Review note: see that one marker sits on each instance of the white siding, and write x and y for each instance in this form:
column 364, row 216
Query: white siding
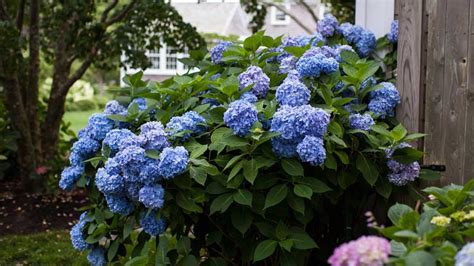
column 375, row 15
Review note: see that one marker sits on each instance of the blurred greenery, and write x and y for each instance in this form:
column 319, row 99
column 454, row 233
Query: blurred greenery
column 78, row 119
column 49, row 248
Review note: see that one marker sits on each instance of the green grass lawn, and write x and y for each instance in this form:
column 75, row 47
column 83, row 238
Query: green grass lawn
column 78, row 119
column 53, row 248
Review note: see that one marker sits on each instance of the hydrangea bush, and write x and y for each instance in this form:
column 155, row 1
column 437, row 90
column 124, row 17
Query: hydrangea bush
column 262, row 152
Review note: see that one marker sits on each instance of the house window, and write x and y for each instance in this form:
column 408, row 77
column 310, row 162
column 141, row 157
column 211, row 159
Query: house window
column 171, row 58
column 154, row 57
column 279, row 17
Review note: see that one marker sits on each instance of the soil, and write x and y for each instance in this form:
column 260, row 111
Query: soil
column 26, row 213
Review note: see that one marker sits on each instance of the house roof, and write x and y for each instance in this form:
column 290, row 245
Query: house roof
column 219, row 18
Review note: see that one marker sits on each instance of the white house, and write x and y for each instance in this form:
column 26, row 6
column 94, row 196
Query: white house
column 225, row 18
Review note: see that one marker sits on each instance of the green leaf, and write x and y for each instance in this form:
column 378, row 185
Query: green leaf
column 303, row 191
column 253, row 42
column 241, row 219
column 162, row 250
column 292, row 167
column 183, row 246
column 342, row 156
column 113, row 250
column 407, row 155
column 414, row 136
column 335, row 128
column 398, row 249
column 264, row 249
column 302, row 240
column 349, row 56
column 430, row 175
column 384, row 188
column 397, row 211
column 232, row 161
column 338, row 141
column 250, row 170
column 199, row 174
column 296, row 203
column 243, row 197
column 316, row 185
column 281, row 231
column 286, row 244
column 235, row 170
column 367, row 168
column 221, row 203
column 128, row 227
column 275, row 195
column 296, row 50
column 420, row 258
column 399, row 132
column 186, row 203
column 153, row 154
column 198, row 150
column 406, row 234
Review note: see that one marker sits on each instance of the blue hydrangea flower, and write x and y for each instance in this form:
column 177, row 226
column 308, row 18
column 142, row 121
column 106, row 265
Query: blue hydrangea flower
column 362, row 122
column 210, row 101
column 109, row 183
column 173, row 162
column 311, row 150
column 114, row 108
column 82, row 150
column 69, row 177
column 190, row 122
column 96, row 257
column 287, row 64
column 112, row 167
column 133, row 190
column 140, row 102
column 150, row 172
column 392, row 36
column 98, row 126
column 217, row 51
column 131, row 160
column 366, row 43
column 465, row 257
column 154, row 136
column 401, row 174
column 78, row 237
column 152, row 197
column 328, row 25
column 118, row 139
column 284, row 148
column 314, row 66
column 383, row 101
column 151, row 225
column 351, row 32
column 292, row 91
column 294, row 123
column 254, row 76
column 249, row 97
column 369, row 82
column 119, row 204
column 240, row 117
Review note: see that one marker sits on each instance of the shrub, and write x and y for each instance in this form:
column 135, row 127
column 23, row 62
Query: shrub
column 82, row 105
column 436, row 234
column 252, row 157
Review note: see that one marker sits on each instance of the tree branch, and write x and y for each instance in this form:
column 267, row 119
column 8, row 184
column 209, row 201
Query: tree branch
column 122, row 14
column 20, row 13
column 290, row 15
column 80, row 71
column 310, row 10
column 107, row 10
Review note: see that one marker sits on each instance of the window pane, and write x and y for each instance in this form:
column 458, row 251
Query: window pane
column 280, row 16
column 171, row 61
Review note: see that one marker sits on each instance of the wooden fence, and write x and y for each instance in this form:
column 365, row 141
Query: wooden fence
column 436, row 81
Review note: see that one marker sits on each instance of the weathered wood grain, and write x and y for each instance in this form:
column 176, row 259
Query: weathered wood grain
column 469, row 140
column 434, row 80
column 409, row 68
column 455, row 87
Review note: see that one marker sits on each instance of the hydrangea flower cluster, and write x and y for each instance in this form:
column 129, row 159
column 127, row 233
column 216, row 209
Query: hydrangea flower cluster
column 401, row 174
column 240, row 117
column 363, row 40
column 151, row 225
column 78, row 237
column 292, row 91
column 362, row 122
column 96, row 257
column 217, row 51
column 465, row 257
column 392, row 36
column 300, row 125
column 190, row 123
column 315, row 62
column 255, row 77
column 383, row 101
column 328, row 25
column 365, row 251
column 298, row 41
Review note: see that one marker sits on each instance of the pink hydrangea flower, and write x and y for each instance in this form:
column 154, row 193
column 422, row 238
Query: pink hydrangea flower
column 365, row 251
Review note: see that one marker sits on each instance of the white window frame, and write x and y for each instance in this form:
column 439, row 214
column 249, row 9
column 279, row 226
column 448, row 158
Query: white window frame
column 273, row 15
